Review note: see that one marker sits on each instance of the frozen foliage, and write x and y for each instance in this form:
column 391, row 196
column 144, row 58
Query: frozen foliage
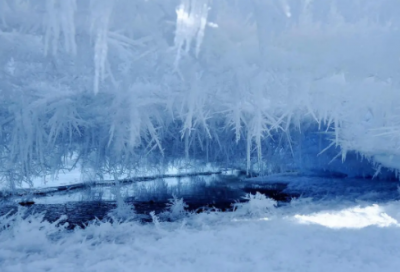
column 177, row 207
column 120, row 84
column 258, row 205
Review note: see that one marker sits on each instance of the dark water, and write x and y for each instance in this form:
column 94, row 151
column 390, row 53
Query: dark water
column 202, row 193
column 83, row 204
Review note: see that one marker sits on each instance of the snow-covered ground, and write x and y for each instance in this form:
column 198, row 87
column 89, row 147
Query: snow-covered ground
column 304, row 236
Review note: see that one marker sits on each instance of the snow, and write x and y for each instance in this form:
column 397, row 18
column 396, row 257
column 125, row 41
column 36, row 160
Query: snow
column 356, row 217
column 295, row 238
column 343, row 224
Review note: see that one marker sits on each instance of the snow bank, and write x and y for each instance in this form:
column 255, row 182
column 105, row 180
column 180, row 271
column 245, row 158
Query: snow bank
column 234, row 242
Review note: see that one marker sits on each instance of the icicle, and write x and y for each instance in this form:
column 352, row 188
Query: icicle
column 286, row 8
column 336, row 123
column 248, row 153
column 190, row 25
column 10, row 67
column 306, row 17
column 60, row 19
column 101, row 13
column 203, row 10
column 378, row 171
column 53, row 28
column 344, row 154
column 187, row 145
column 335, row 18
column 67, row 11
column 238, row 121
column 135, row 125
column 3, row 9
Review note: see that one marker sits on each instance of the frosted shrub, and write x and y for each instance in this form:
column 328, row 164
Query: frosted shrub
column 32, row 230
column 123, row 212
column 177, row 208
column 258, row 205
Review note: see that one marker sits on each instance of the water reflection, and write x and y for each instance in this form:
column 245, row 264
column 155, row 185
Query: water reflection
column 207, row 187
